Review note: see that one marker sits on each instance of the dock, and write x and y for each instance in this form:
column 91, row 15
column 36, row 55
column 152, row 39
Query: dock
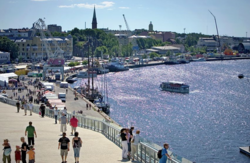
column 245, row 150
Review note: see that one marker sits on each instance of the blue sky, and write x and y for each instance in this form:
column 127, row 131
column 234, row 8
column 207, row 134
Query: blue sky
column 166, row 15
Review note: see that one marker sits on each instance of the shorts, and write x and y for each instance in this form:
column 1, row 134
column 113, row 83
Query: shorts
column 73, row 128
column 32, row 161
column 63, row 128
column 64, row 152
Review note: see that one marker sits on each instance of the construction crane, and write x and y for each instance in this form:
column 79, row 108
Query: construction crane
column 126, row 23
column 41, row 26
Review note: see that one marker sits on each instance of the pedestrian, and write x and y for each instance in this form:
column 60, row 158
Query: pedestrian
column 135, row 141
column 164, row 154
column 56, row 114
column 77, row 144
column 124, row 143
column 42, row 109
column 73, row 124
column 25, row 107
column 63, row 121
column 18, row 106
column 31, row 154
column 129, row 142
column 64, row 111
column 31, row 132
column 66, row 90
column 64, row 146
column 87, row 106
column 6, row 151
column 31, row 108
column 24, row 149
column 18, row 154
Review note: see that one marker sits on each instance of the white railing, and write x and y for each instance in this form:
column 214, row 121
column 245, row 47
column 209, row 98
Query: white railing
column 147, row 152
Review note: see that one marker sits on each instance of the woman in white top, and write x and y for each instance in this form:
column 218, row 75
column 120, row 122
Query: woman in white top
column 135, row 141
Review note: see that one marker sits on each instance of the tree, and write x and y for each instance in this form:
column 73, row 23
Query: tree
column 85, row 62
column 71, row 64
column 7, row 45
column 178, row 41
column 169, row 53
column 101, row 50
column 153, row 55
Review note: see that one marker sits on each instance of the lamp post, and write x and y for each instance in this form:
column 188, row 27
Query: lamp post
column 216, row 29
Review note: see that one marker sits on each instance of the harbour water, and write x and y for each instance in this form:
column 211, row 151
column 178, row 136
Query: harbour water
column 207, row 125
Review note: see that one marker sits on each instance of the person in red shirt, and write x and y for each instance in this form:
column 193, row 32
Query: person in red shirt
column 73, row 124
column 17, row 154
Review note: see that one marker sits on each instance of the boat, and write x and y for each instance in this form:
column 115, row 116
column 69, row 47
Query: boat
column 172, row 61
column 183, row 61
column 116, row 66
column 199, row 60
column 86, row 74
column 240, row 76
column 71, row 80
column 175, row 86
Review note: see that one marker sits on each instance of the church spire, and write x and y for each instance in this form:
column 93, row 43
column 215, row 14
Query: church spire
column 94, row 21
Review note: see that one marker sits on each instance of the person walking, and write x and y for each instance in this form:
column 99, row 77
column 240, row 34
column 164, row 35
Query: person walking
column 66, row 90
column 135, row 141
column 56, row 114
column 42, row 109
column 31, row 154
column 87, row 106
column 6, row 151
column 164, row 154
column 77, row 144
column 64, row 146
column 18, row 106
column 31, row 132
column 63, row 120
column 31, row 108
column 73, row 124
column 124, row 144
column 24, row 149
column 25, row 107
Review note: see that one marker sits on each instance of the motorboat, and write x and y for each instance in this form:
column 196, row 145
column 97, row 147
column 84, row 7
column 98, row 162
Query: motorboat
column 199, row 60
column 86, row 74
column 172, row 61
column 116, row 66
column 183, row 61
column 240, row 76
column 175, row 86
column 71, row 80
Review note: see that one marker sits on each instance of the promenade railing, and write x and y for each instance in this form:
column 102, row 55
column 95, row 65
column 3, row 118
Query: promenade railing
column 146, row 153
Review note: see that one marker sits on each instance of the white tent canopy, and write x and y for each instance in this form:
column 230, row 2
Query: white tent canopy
column 5, row 77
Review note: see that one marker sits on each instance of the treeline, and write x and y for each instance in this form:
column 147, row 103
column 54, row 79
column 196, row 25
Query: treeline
column 103, row 43
column 149, row 43
column 6, row 45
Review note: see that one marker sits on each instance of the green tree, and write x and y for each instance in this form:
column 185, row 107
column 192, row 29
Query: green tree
column 7, row 45
column 71, row 64
column 153, row 55
column 85, row 62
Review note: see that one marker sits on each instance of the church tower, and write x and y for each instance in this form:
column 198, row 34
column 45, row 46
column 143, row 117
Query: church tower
column 94, row 21
column 150, row 27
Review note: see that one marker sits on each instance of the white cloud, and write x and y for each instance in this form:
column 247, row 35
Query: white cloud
column 124, row 7
column 104, row 4
column 39, row 0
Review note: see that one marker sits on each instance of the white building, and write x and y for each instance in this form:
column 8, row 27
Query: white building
column 4, row 57
column 209, row 42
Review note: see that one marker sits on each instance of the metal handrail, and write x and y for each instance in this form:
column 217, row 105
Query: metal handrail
column 145, row 152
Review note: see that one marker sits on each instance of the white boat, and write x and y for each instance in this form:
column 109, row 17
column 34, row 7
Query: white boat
column 86, row 74
column 199, row 60
column 175, row 86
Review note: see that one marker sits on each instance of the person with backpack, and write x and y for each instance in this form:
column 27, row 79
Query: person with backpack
column 163, row 154
column 77, row 144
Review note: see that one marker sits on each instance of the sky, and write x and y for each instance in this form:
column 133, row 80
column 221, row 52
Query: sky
column 166, row 15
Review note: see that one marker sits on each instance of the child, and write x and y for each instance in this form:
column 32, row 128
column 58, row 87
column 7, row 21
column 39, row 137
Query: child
column 31, row 155
column 6, row 151
column 17, row 154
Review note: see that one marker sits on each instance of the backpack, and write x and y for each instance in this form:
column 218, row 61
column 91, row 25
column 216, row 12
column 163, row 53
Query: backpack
column 159, row 154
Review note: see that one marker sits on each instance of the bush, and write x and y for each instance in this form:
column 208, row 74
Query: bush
column 85, row 62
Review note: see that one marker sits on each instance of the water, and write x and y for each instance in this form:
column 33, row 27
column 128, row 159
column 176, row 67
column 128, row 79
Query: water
column 207, row 125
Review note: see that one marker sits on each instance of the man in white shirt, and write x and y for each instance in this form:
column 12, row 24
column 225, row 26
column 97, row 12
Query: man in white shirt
column 30, row 107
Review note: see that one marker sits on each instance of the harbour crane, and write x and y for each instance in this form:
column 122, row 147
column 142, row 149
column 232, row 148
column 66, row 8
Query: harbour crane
column 41, row 27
